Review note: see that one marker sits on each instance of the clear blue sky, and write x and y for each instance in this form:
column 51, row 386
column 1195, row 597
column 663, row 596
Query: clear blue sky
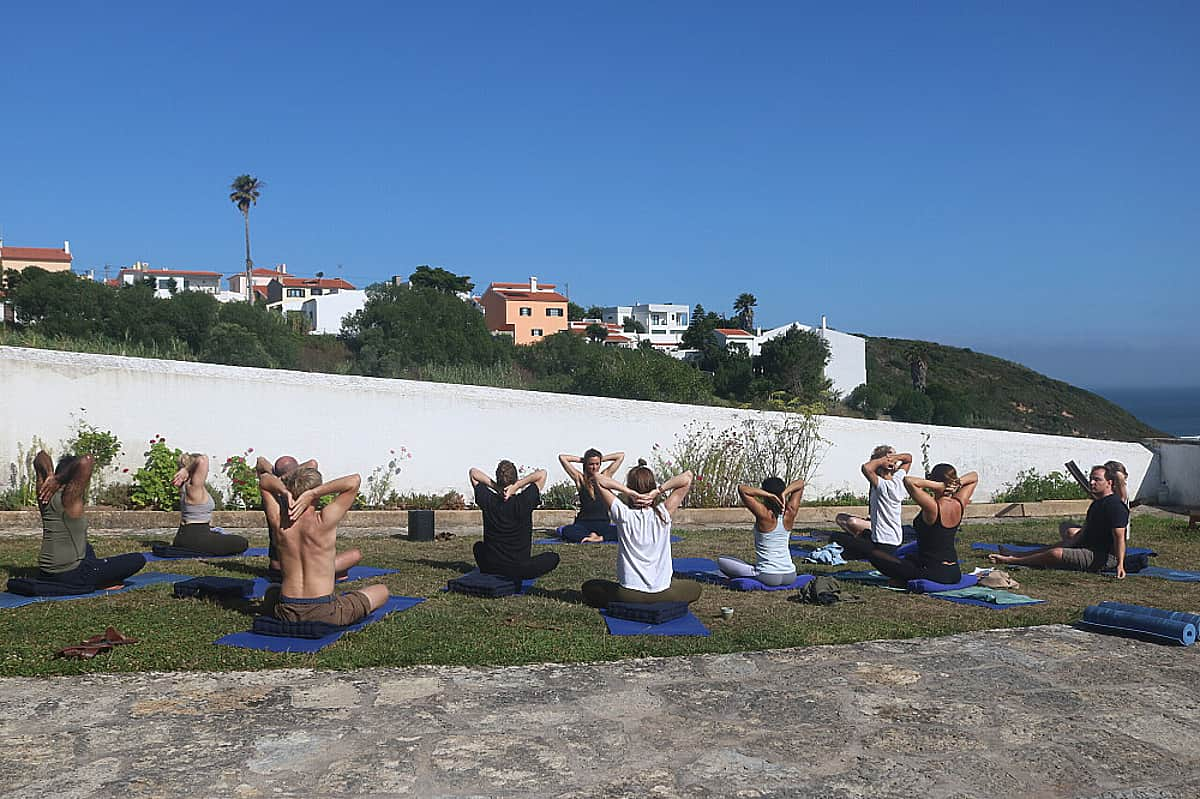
column 1019, row 178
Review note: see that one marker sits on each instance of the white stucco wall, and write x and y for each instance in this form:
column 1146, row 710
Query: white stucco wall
column 351, row 423
column 1174, row 476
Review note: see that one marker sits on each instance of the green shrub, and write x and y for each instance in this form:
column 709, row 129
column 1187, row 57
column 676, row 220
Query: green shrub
column 22, row 479
column 560, row 496
column 115, row 495
column 843, row 497
column 912, row 406
column 152, row 488
column 451, row 500
column 243, row 482
column 1033, row 487
column 379, row 484
column 102, row 445
column 11, row 499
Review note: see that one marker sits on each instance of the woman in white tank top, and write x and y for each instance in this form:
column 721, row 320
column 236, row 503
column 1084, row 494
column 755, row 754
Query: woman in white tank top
column 774, row 506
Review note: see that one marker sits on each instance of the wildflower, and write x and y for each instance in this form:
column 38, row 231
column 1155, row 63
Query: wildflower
column 250, row 450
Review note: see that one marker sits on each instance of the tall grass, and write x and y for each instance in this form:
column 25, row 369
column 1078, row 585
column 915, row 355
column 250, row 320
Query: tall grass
column 169, row 349
column 498, row 375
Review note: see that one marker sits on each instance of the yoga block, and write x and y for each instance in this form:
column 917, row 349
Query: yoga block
column 420, row 525
column 269, row 625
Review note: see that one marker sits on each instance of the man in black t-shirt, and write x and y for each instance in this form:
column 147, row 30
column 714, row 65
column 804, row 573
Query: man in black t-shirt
column 1098, row 544
column 507, row 504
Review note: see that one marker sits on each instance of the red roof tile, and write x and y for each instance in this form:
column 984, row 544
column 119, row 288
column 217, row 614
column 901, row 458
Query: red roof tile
column 528, row 296
column 314, row 282
column 729, row 331
column 34, row 254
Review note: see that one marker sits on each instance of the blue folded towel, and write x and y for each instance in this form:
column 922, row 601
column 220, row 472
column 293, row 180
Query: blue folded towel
column 648, row 612
column 829, row 555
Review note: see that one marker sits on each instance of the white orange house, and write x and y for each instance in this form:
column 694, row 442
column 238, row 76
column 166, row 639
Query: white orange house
column 48, row 258
column 526, row 311
column 259, row 278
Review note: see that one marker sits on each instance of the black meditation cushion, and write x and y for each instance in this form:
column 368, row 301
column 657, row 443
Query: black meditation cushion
column 28, row 586
column 485, row 585
column 648, row 612
column 215, row 588
column 269, row 625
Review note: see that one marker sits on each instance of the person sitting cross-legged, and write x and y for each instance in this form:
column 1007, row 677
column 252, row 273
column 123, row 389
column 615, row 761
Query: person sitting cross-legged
column 67, row 557
column 507, row 504
column 196, row 509
column 885, row 472
column 774, row 506
column 276, row 515
column 591, row 523
column 307, row 549
column 943, row 498
column 1098, row 544
column 644, row 569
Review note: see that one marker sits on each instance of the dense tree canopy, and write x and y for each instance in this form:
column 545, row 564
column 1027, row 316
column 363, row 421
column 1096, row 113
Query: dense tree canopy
column 438, row 279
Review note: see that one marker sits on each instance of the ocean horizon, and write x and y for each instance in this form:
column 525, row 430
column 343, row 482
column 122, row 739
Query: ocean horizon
column 1174, row 410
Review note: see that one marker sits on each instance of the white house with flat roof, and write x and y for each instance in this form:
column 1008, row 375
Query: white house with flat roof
column 325, row 312
column 664, row 322
column 847, row 367
column 167, row 281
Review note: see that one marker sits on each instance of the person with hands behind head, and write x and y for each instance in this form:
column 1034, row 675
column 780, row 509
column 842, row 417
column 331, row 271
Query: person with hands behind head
column 276, row 502
column 196, row 509
column 307, row 540
column 943, row 498
column 774, row 506
column 66, row 556
column 591, row 523
column 507, row 504
column 885, row 472
column 644, row 570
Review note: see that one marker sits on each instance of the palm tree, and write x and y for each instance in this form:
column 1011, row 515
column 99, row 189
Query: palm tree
column 744, row 306
column 243, row 193
column 918, row 368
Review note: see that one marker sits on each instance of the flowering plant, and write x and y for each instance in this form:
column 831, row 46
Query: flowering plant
column 152, row 488
column 380, row 482
column 243, row 481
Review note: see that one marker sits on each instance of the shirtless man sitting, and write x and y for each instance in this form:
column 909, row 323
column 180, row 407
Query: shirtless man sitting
column 283, row 466
column 306, row 543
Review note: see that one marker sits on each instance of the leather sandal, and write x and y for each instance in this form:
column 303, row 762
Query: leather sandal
column 84, row 651
column 113, row 636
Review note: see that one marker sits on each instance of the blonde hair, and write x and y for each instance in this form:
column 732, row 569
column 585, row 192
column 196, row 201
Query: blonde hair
column 300, row 480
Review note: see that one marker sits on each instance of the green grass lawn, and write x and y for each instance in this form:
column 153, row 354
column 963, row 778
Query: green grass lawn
column 550, row 624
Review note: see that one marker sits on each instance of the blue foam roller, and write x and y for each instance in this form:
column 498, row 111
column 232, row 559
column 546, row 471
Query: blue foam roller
column 1178, row 615
column 1170, row 630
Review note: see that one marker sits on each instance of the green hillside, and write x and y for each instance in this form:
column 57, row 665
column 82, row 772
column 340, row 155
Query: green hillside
column 971, row 389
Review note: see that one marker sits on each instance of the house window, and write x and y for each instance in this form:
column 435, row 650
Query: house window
column 554, row 311
column 659, row 332
column 316, row 292
column 526, row 311
column 537, row 331
column 295, row 292
column 683, row 319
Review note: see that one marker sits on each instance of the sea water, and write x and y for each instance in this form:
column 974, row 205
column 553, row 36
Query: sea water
column 1173, row 410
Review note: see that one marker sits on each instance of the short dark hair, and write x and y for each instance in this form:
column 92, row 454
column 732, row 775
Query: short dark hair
column 65, row 464
column 506, row 474
column 1110, row 474
column 775, row 485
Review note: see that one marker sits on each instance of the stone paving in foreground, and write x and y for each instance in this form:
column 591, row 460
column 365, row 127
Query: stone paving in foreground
column 1046, row 711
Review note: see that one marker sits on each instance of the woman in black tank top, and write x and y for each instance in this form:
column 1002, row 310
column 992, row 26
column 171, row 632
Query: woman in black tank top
column 943, row 498
column 591, row 523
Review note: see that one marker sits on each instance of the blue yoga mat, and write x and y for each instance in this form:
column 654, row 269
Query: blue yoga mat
column 274, row 643
column 1174, row 575
column 864, row 576
column 141, row 580
column 1158, row 629
column 1023, row 548
column 701, row 570
column 685, row 625
column 261, row 584
column 805, row 538
column 252, row 552
column 1141, row 610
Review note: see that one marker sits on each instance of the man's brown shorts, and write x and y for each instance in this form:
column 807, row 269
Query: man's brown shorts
column 341, row 610
column 1086, row 560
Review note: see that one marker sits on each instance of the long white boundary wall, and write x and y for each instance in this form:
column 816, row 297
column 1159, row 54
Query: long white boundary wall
column 351, row 423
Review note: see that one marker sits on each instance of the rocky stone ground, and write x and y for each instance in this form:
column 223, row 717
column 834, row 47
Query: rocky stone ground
column 1047, row 711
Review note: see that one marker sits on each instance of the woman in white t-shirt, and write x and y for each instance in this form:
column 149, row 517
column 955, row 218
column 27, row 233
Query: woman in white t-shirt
column 885, row 471
column 643, row 540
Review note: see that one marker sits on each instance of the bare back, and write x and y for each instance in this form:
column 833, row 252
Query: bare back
column 307, row 551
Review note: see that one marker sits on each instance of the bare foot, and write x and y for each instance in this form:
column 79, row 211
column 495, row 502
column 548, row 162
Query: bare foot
column 592, row 538
column 998, row 558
